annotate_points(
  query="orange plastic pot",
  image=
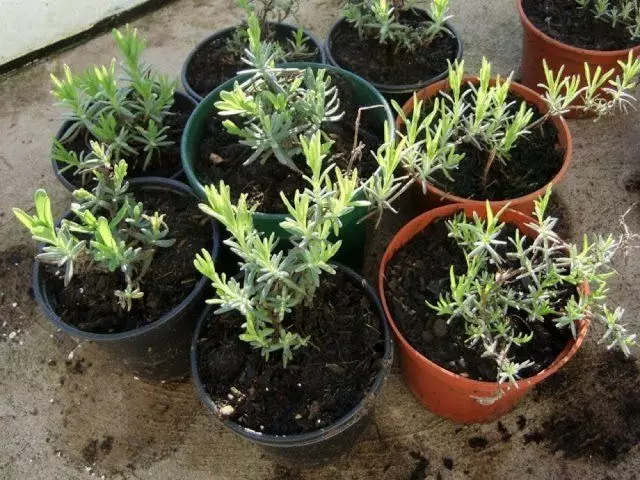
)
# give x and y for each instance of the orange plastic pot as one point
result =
(447, 394)
(435, 197)
(538, 46)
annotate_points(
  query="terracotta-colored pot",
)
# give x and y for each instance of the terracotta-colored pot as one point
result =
(445, 393)
(436, 197)
(538, 46)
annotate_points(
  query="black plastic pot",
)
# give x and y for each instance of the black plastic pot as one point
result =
(399, 93)
(324, 445)
(160, 350)
(226, 31)
(178, 175)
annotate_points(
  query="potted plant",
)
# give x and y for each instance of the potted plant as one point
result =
(498, 140)
(111, 272)
(140, 118)
(397, 47)
(570, 33)
(218, 57)
(246, 133)
(484, 305)
(299, 350)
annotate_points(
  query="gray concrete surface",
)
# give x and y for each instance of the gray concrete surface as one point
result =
(90, 420)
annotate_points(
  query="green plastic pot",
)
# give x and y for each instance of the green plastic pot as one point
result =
(352, 233)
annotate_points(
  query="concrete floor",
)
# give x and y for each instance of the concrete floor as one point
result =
(84, 418)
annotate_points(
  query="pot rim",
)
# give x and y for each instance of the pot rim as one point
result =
(343, 423)
(396, 88)
(397, 242)
(582, 52)
(66, 124)
(531, 97)
(195, 96)
(189, 170)
(41, 298)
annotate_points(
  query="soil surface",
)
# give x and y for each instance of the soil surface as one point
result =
(88, 302)
(222, 157)
(419, 273)
(381, 64)
(320, 385)
(166, 165)
(213, 63)
(534, 160)
(566, 22)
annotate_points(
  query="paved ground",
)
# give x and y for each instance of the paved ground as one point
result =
(84, 418)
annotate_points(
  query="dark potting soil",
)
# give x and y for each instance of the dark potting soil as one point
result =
(88, 302)
(165, 165)
(419, 273)
(381, 64)
(566, 22)
(534, 160)
(213, 64)
(321, 384)
(222, 157)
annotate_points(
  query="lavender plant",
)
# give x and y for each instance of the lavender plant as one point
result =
(129, 117)
(483, 115)
(513, 282)
(275, 282)
(381, 19)
(275, 105)
(111, 231)
(276, 11)
(616, 12)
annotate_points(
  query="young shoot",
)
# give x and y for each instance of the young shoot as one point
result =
(275, 11)
(274, 281)
(481, 114)
(512, 282)
(616, 12)
(110, 232)
(127, 116)
(381, 19)
(275, 106)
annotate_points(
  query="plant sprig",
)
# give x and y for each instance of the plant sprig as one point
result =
(381, 19)
(274, 106)
(111, 231)
(509, 286)
(274, 282)
(129, 116)
(616, 12)
(482, 114)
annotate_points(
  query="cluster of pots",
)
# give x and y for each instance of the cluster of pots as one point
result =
(167, 348)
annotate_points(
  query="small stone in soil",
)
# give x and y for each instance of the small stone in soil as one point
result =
(440, 327)
(227, 410)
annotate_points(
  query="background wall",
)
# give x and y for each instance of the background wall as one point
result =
(28, 25)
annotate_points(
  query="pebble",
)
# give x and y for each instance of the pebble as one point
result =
(427, 336)
(440, 327)
(227, 410)
(14, 304)
(12, 335)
